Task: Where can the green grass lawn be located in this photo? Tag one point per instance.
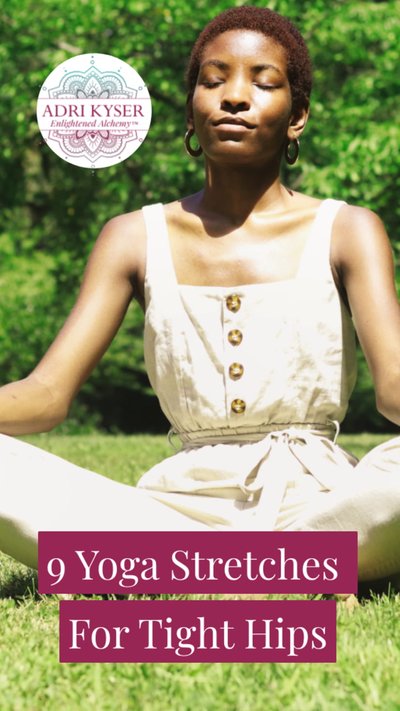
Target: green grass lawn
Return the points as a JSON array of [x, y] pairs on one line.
[[366, 676]]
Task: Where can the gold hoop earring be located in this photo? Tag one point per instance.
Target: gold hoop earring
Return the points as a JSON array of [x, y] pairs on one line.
[[193, 152], [292, 155]]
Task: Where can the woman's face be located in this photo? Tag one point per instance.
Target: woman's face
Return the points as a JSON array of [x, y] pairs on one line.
[[242, 106]]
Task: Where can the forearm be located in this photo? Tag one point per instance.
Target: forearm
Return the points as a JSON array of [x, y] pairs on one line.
[[28, 406]]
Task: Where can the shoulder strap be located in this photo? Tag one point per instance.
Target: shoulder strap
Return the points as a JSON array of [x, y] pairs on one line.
[[315, 259], [159, 265]]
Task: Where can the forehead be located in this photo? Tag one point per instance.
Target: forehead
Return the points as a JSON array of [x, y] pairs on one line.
[[245, 46]]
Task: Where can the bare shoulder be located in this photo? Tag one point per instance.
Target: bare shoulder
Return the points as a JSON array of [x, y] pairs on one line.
[[358, 234], [122, 241], [357, 219], [124, 232]]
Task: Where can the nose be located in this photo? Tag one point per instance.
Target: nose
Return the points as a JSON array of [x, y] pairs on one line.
[[236, 95]]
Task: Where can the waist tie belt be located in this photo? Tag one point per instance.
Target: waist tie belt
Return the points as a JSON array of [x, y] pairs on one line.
[[311, 445], [240, 435]]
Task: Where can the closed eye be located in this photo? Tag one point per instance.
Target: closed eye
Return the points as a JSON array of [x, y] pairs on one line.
[[211, 84], [266, 87]]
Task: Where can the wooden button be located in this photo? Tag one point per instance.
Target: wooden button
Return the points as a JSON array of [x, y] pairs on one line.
[[236, 371], [238, 406], [233, 302], [235, 337]]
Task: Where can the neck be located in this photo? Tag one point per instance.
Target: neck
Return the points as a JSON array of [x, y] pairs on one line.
[[236, 191]]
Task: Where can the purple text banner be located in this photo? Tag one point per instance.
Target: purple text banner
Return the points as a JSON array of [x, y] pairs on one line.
[[197, 562], [198, 631]]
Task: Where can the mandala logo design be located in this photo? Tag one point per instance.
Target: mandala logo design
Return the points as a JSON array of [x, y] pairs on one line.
[[94, 110]]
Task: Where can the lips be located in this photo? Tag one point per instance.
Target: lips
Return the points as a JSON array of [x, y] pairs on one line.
[[234, 121]]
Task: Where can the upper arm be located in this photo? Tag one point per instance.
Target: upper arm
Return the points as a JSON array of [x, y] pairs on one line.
[[108, 286], [362, 256]]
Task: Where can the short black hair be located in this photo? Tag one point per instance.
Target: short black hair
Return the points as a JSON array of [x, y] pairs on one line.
[[270, 24]]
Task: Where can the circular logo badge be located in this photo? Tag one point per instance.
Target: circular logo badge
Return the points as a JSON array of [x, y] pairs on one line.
[[94, 110]]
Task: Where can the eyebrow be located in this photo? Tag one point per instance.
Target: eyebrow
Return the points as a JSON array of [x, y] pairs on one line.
[[223, 65], [260, 67], [214, 63]]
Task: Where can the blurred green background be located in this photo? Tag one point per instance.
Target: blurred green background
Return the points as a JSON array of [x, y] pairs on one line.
[[51, 212]]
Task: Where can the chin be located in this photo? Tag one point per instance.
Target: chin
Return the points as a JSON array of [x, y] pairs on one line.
[[236, 153], [230, 147]]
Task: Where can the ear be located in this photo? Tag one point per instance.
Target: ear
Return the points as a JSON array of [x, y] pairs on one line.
[[298, 122]]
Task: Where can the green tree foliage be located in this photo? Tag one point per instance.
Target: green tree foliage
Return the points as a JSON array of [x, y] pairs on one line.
[[51, 212]]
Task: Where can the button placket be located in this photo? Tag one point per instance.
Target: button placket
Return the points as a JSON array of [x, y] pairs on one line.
[[233, 304]]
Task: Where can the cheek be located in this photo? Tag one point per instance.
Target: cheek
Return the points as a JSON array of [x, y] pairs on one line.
[[200, 105], [200, 116], [273, 109]]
